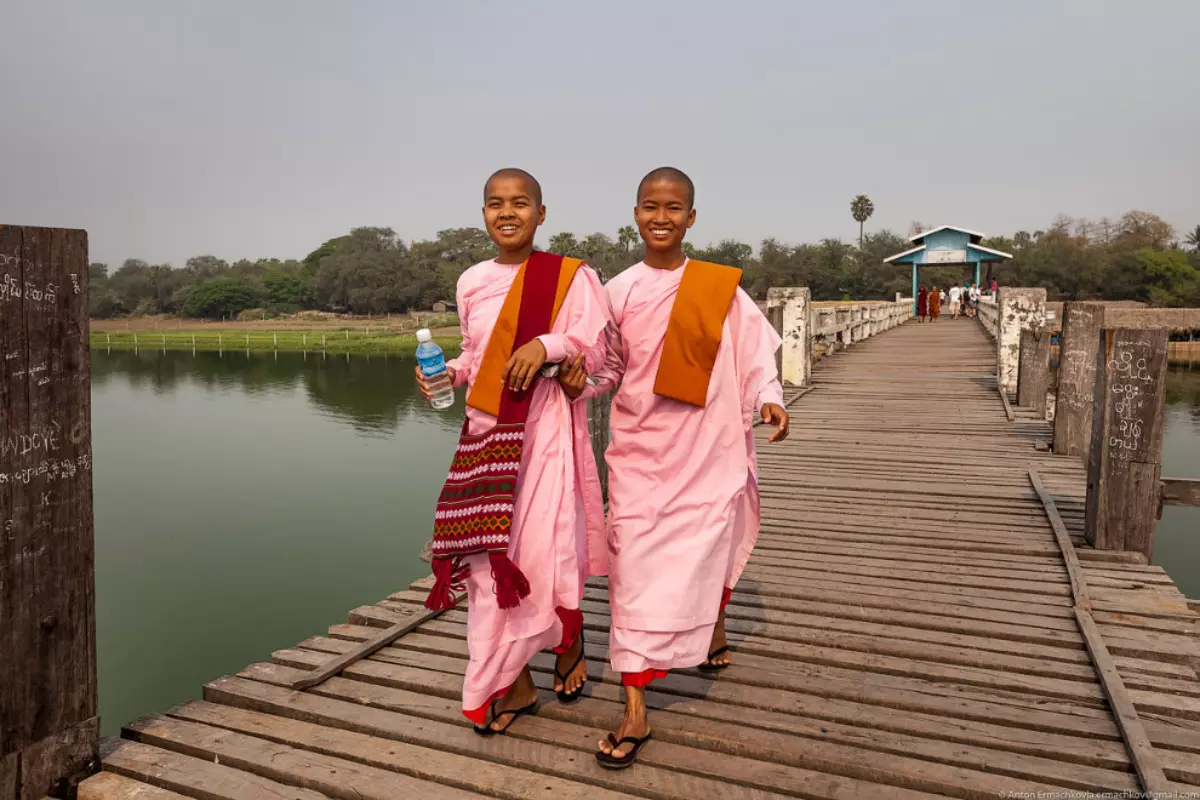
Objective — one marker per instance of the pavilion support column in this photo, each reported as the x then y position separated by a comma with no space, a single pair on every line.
792,306
914,288
1018,310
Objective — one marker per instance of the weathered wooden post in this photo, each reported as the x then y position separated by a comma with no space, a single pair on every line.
1081,327
1125,459
794,306
49,731
1033,374
1019,309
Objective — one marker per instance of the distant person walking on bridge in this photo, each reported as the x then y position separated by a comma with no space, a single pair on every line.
955,301
973,295
922,303
521,515
694,359
935,304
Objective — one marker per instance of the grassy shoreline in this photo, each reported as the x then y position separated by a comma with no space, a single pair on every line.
290,341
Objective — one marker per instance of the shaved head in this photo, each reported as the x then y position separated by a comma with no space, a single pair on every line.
531,183
669,174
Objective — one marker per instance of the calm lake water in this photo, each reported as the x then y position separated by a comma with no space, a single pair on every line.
246,502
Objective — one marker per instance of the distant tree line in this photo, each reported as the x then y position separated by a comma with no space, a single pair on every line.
371,270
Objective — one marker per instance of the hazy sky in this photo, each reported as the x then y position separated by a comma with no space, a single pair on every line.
246,128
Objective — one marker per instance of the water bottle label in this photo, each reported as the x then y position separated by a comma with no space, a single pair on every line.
432,365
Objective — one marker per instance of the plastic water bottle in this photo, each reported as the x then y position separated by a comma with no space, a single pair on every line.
433,367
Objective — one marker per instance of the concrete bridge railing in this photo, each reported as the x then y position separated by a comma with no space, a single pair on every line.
1006,316
802,324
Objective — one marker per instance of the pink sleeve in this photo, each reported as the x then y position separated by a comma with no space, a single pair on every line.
608,376
581,320
756,342
462,364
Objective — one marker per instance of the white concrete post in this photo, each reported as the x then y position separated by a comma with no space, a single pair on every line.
1018,310
794,306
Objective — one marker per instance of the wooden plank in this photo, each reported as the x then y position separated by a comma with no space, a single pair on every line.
334,777
47,619
111,786
368,647
1079,590
467,771
738,703
1141,751
1008,412
195,777
1180,491
772,689
664,770
1125,460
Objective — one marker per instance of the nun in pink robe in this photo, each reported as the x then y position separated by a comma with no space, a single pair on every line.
558,522
683,499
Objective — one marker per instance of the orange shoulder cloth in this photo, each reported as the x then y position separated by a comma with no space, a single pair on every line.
705,295
485,394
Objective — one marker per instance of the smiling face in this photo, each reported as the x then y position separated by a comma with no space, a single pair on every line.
664,213
512,212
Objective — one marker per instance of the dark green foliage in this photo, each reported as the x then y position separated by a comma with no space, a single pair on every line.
371,270
222,298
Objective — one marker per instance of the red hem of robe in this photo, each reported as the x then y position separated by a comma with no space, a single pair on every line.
480,715
643,678
726,596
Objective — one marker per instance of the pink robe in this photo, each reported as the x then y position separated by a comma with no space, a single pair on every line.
683,498
558,520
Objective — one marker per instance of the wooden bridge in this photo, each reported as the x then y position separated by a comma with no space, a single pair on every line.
906,628
925,614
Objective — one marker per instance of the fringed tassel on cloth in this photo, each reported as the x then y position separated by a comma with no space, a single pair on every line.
572,625
449,578
511,585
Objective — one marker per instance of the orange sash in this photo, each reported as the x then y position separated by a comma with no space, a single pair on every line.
706,292
489,386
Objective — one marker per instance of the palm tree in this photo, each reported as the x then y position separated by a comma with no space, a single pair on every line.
627,236
862,208
1193,240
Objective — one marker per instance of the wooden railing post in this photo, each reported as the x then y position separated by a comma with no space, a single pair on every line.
793,308
1125,459
1033,375
1081,327
1019,309
49,731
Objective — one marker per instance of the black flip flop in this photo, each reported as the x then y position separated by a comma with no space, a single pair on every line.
708,666
517,713
565,696
609,761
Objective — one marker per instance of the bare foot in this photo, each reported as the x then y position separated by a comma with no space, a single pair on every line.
578,675
719,641
633,725
520,694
